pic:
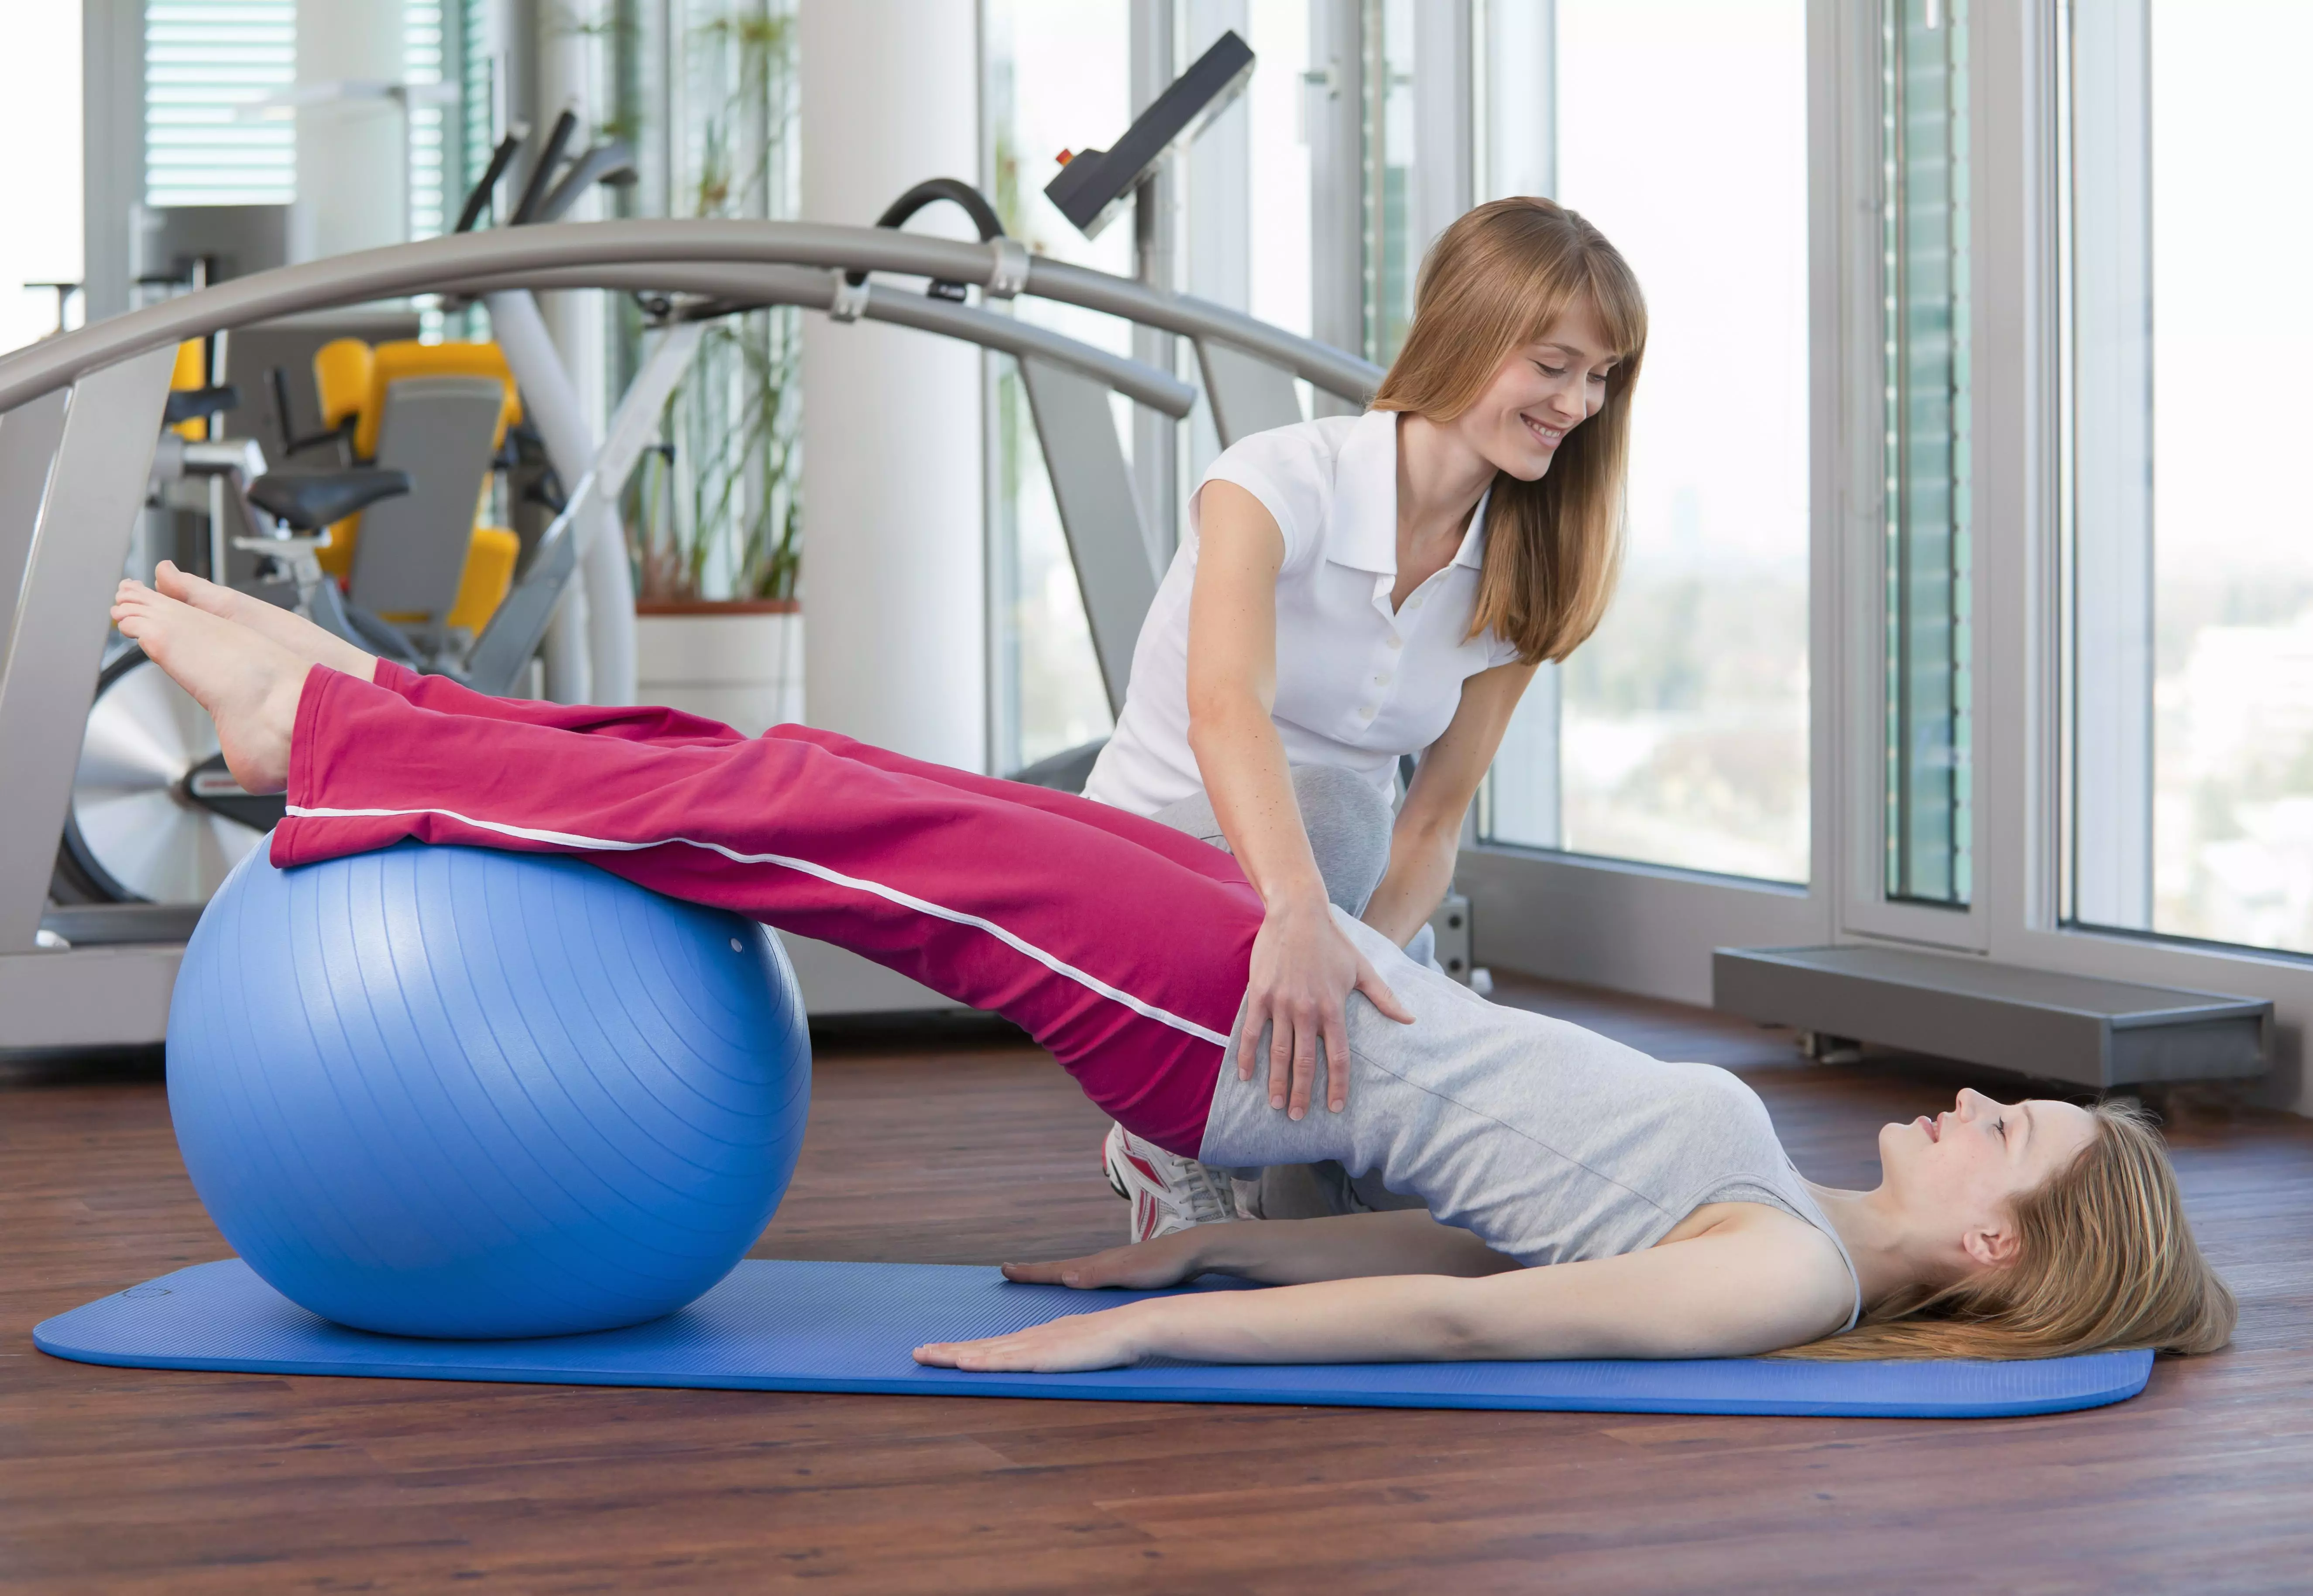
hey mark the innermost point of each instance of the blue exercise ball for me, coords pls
(460, 1093)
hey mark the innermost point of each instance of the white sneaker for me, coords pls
(1168, 1192)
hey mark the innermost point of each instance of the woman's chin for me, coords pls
(1892, 1143)
(1526, 464)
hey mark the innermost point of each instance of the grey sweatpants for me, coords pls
(1348, 828)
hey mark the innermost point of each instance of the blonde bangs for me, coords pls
(1621, 310)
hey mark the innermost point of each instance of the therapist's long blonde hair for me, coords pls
(1496, 280)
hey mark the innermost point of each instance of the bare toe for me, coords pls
(131, 604)
(199, 592)
(286, 627)
(249, 683)
(186, 589)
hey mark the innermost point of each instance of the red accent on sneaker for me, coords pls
(1141, 1164)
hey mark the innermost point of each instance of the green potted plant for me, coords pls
(713, 519)
(706, 95)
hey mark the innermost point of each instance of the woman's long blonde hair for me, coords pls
(2106, 1260)
(1496, 280)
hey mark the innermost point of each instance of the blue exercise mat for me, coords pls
(776, 1326)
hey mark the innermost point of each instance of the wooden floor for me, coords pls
(120, 1481)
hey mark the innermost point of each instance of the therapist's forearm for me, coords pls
(1250, 785)
(1421, 863)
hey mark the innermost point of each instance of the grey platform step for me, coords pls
(118, 925)
(2075, 1028)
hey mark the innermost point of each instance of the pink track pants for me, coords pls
(1119, 944)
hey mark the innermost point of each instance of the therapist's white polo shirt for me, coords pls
(1358, 685)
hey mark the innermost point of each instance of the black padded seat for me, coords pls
(309, 500)
(194, 404)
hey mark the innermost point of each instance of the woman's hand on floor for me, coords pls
(1104, 1340)
(1145, 1266)
(1303, 970)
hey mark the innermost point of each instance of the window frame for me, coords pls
(2026, 630)
(1855, 720)
(1650, 928)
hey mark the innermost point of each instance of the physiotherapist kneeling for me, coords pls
(1354, 589)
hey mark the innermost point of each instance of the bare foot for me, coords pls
(247, 683)
(292, 631)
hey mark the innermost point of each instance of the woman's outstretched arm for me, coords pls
(1757, 1286)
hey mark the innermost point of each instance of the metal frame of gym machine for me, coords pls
(80, 416)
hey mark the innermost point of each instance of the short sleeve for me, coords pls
(1291, 471)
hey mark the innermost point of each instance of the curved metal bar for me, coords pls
(507, 254)
(1324, 365)
(600, 164)
(931, 192)
(815, 290)
(425, 267)
(1134, 379)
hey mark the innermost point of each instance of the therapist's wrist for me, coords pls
(1298, 899)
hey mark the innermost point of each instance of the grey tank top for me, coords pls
(1551, 1143)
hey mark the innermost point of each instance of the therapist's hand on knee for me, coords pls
(1303, 970)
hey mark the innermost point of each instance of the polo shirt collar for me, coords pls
(1471, 554)
(1363, 532)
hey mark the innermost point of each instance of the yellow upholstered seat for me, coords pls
(352, 379)
(190, 376)
(487, 577)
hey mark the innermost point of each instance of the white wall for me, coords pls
(351, 152)
(893, 538)
(40, 133)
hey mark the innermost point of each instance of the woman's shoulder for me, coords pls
(1317, 443)
(1291, 471)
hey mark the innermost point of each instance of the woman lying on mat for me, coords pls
(1674, 1223)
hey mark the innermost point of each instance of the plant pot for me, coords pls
(739, 661)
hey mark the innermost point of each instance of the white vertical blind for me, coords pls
(422, 63)
(203, 60)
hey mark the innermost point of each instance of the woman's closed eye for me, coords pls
(1595, 378)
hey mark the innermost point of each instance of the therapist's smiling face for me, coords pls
(1543, 392)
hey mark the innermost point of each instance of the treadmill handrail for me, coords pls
(430, 264)
(744, 285)
(1335, 371)
(391, 270)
